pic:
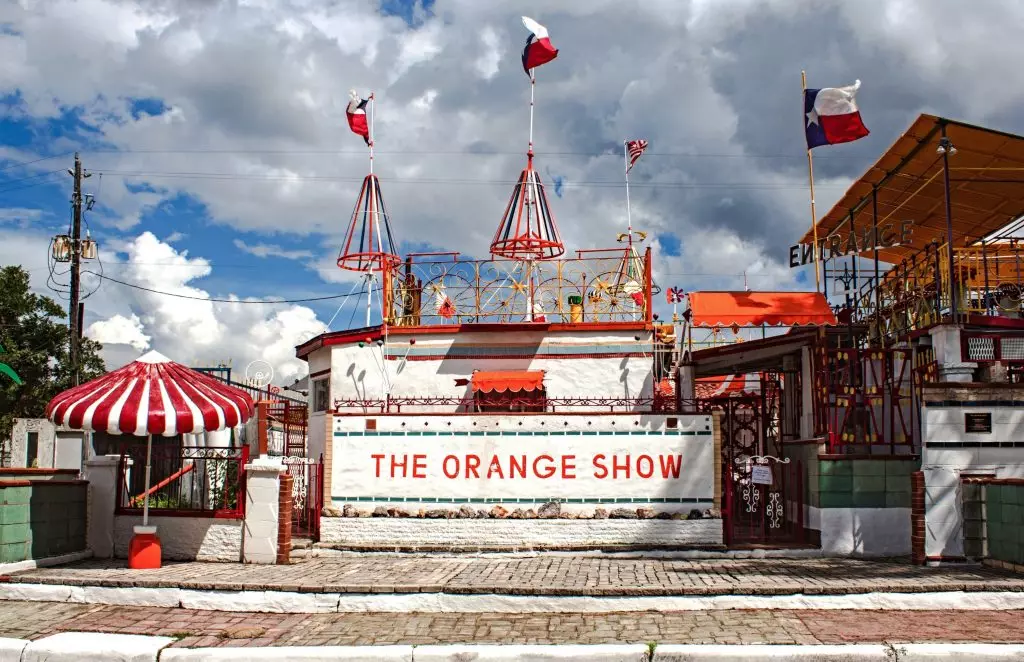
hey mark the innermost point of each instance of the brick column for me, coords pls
(284, 520)
(917, 528)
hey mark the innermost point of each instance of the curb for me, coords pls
(284, 602)
(88, 646)
(32, 564)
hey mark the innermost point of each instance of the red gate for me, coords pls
(763, 501)
(307, 495)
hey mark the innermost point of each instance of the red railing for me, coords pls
(482, 406)
(287, 428)
(184, 481)
(307, 495)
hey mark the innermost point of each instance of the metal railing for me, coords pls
(614, 286)
(185, 481)
(484, 406)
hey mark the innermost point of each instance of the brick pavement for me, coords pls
(541, 575)
(204, 628)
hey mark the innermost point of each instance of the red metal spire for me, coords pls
(527, 230)
(369, 244)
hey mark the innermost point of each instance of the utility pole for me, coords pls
(74, 312)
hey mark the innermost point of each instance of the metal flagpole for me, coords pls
(629, 217)
(531, 200)
(376, 221)
(810, 175)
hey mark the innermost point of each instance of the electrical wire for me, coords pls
(220, 176)
(185, 296)
(25, 163)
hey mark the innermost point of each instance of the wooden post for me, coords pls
(262, 427)
(810, 177)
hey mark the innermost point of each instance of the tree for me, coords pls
(36, 349)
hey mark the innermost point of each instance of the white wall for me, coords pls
(57, 448)
(862, 531)
(949, 452)
(389, 532)
(185, 538)
(590, 444)
(430, 366)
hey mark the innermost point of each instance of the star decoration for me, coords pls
(812, 117)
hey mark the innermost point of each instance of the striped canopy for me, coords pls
(152, 395)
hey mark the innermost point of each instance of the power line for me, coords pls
(25, 163)
(223, 176)
(186, 296)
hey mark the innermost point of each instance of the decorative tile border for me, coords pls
(524, 433)
(974, 444)
(365, 499)
(937, 404)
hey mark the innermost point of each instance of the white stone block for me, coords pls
(513, 653)
(304, 653)
(11, 649)
(744, 653)
(35, 592)
(132, 597)
(90, 646)
(865, 531)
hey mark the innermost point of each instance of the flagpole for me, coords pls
(373, 102)
(810, 176)
(629, 216)
(376, 221)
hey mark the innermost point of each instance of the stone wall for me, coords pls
(39, 519)
(509, 534)
(185, 538)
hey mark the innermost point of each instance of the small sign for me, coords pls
(761, 474)
(978, 423)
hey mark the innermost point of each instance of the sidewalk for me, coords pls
(543, 575)
(191, 628)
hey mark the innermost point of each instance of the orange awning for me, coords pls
(507, 380)
(760, 308)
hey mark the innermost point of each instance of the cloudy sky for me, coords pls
(223, 168)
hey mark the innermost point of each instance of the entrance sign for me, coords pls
(852, 242)
(671, 467)
(761, 474)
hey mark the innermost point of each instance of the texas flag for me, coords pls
(831, 116)
(538, 48)
(356, 113)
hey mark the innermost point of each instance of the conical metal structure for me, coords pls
(369, 244)
(527, 230)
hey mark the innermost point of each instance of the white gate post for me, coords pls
(262, 490)
(101, 472)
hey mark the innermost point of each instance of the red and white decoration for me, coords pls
(151, 395)
(831, 116)
(538, 48)
(356, 114)
(728, 385)
(635, 148)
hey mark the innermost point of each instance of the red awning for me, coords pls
(507, 380)
(760, 308)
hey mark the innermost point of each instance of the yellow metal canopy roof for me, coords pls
(986, 179)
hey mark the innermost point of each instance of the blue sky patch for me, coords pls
(670, 244)
(148, 106)
(407, 10)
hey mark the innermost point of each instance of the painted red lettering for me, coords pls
(395, 464)
(444, 466)
(670, 465)
(600, 471)
(616, 466)
(548, 471)
(650, 466)
(472, 464)
(378, 457)
(568, 466)
(514, 466)
(495, 467)
(419, 466)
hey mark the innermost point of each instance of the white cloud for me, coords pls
(271, 250)
(120, 330)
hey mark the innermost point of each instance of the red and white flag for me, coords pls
(634, 148)
(356, 113)
(538, 48)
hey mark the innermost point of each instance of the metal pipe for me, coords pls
(949, 225)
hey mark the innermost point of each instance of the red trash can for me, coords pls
(144, 549)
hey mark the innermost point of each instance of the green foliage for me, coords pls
(36, 348)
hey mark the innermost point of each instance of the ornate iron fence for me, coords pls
(471, 405)
(184, 480)
(606, 288)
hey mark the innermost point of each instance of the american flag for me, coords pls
(635, 149)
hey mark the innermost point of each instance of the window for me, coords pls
(321, 390)
(32, 449)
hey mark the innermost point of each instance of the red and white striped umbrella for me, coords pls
(151, 395)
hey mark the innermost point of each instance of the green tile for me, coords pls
(836, 468)
(901, 467)
(833, 483)
(1011, 513)
(897, 499)
(869, 467)
(1008, 494)
(836, 500)
(869, 499)
(897, 484)
(868, 483)
(18, 495)
(14, 552)
(13, 514)
(13, 533)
